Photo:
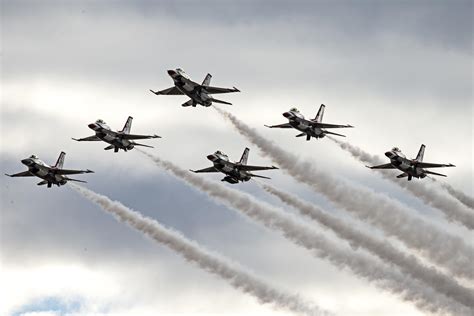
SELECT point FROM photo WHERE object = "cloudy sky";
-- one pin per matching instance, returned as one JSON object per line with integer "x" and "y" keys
{"x": 399, "y": 71}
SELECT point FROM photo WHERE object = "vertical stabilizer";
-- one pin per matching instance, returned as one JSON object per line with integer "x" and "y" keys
{"x": 207, "y": 80}
{"x": 319, "y": 116}
{"x": 128, "y": 126}
{"x": 60, "y": 162}
{"x": 421, "y": 152}
{"x": 245, "y": 157}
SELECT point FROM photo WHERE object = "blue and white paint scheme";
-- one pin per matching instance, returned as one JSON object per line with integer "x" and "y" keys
{"x": 412, "y": 168}
{"x": 199, "y": 93}
{"x": 117, "y": 140}
{"x": 309, "y": 128}
{"x": 235, "y": 171}
{"x": 50, "y": 174}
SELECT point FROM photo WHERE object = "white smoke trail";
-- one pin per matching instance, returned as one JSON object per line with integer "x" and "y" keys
{"x": 457, "y": 194}
{"x": 425, "y": 298}
{"x": 235, "y": 274}
{"x": 389, "y": 215}
{"x": 453, "y": 209}
{"x": 408, "y": 264}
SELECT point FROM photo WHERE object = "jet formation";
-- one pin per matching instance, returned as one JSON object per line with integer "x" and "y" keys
{"x": 412, "y": 168}
{"x": 309, "y": 128}
{"x": 235, "y": 171}
{"x": 117, "y": 140}
{"x": 50, "y": 174}
{"x": 199, "y": 93}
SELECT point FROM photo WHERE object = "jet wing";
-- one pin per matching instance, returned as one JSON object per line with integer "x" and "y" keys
{"x": 210, "y": 169}
{"x": 284, "y": 125}
{"x": 433, "y": 165}
{"x": 21, "y": 174}
{"x": 216, "y": 90}
{"x": 385, "y": 166}
{"x": 70, "y": 171}
{"x": 255, "y": 168}
{"x": 326, "y": 125}
{"x": 135, "y": 136}
{"x": 93, "y": 138}
{"x": 169, "y": 91}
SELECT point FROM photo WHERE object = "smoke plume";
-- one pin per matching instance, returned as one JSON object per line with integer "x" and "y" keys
{"x": 304, "y": 235}
{"x": 391, "y": 216}
{"x": 457, "y": 194}
{"x": 408, "y": 264}
{"x": 453, "y": 209}
{"x": 236, "y": 275}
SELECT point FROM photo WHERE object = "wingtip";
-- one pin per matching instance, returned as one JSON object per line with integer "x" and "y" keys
{"x": 76, "y": 139}
{"x": 156, "y": 136}
{"x": 273, "y": 167}
{"x": 154, "y": 92}
{"x": 194, "y": 171}
{"x": 89, "y": 171}
{"x": 267, "y": 126}
{"x": 9, "y": 175}
{"x": 236, "y": 90}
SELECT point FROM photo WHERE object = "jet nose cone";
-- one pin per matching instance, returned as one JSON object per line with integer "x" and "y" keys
{"x": 171, "y": 72}
{"x": 389, "y": 154}
{"x": 91, "y": 126}
{"x": 26, "y": 162}
{"x": 211, "y": 157}
{"x": 287, "y": 114}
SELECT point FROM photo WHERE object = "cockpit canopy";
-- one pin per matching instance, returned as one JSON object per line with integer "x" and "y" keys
{"x": 396, "y": 149}
{"x": 99, "y": 121}
{"x": 294, "y": 110}
{"x": 221, "y": 155}
{"x": 182, "y": 73}
{"x": 34, "y": 157}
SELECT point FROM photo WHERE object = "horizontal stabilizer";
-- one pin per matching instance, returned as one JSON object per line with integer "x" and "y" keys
{"x": 189, "y": 103}
{"x": 257, "y": 176}
{"x": 137, "y": 144}
{"x": 75, "y": 180}
{"x": 403, "y": 175}
{"x": 220, "y": 101}
{"x": 109, "y": 147}
{"x": 434, "y": 173}
{"x": 42, "y": 182}
{"x": 300, "y": 135}
{"x": 332, "y": 133}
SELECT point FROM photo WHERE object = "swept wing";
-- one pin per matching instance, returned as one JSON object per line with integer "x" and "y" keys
{"x": 21, "y": 174}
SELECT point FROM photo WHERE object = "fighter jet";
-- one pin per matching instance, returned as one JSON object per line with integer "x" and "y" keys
{"x": 50, "y": 174}
{"x": 199, "y": 93}
{"x": 234, "y": 171}
{"x": 410, "y": 167}
{"x": 309, "y": 128}
{"x": 117, "y": 140}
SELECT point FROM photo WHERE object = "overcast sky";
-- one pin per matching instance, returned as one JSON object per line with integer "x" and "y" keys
{"x": 399, "y": 71}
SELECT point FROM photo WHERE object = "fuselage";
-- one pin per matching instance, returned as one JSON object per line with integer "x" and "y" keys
{"x": 103, "y": 131}
{"x": 43, "y": 171}
{"x": 190, "y": 88}
{"x": 399, "y": 161}
{"x": 230, "y": 169}
{"x": 297, "y": 121}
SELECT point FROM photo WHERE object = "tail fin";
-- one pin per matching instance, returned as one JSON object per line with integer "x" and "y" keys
{"x": 319, "y": 116}
{"x": 60, "y": 162}
{"x": 421, "y": 152}
{"x": 245, "y": 157}
{"x": 207, "y": 80}
{"x": 128, "y": 126}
